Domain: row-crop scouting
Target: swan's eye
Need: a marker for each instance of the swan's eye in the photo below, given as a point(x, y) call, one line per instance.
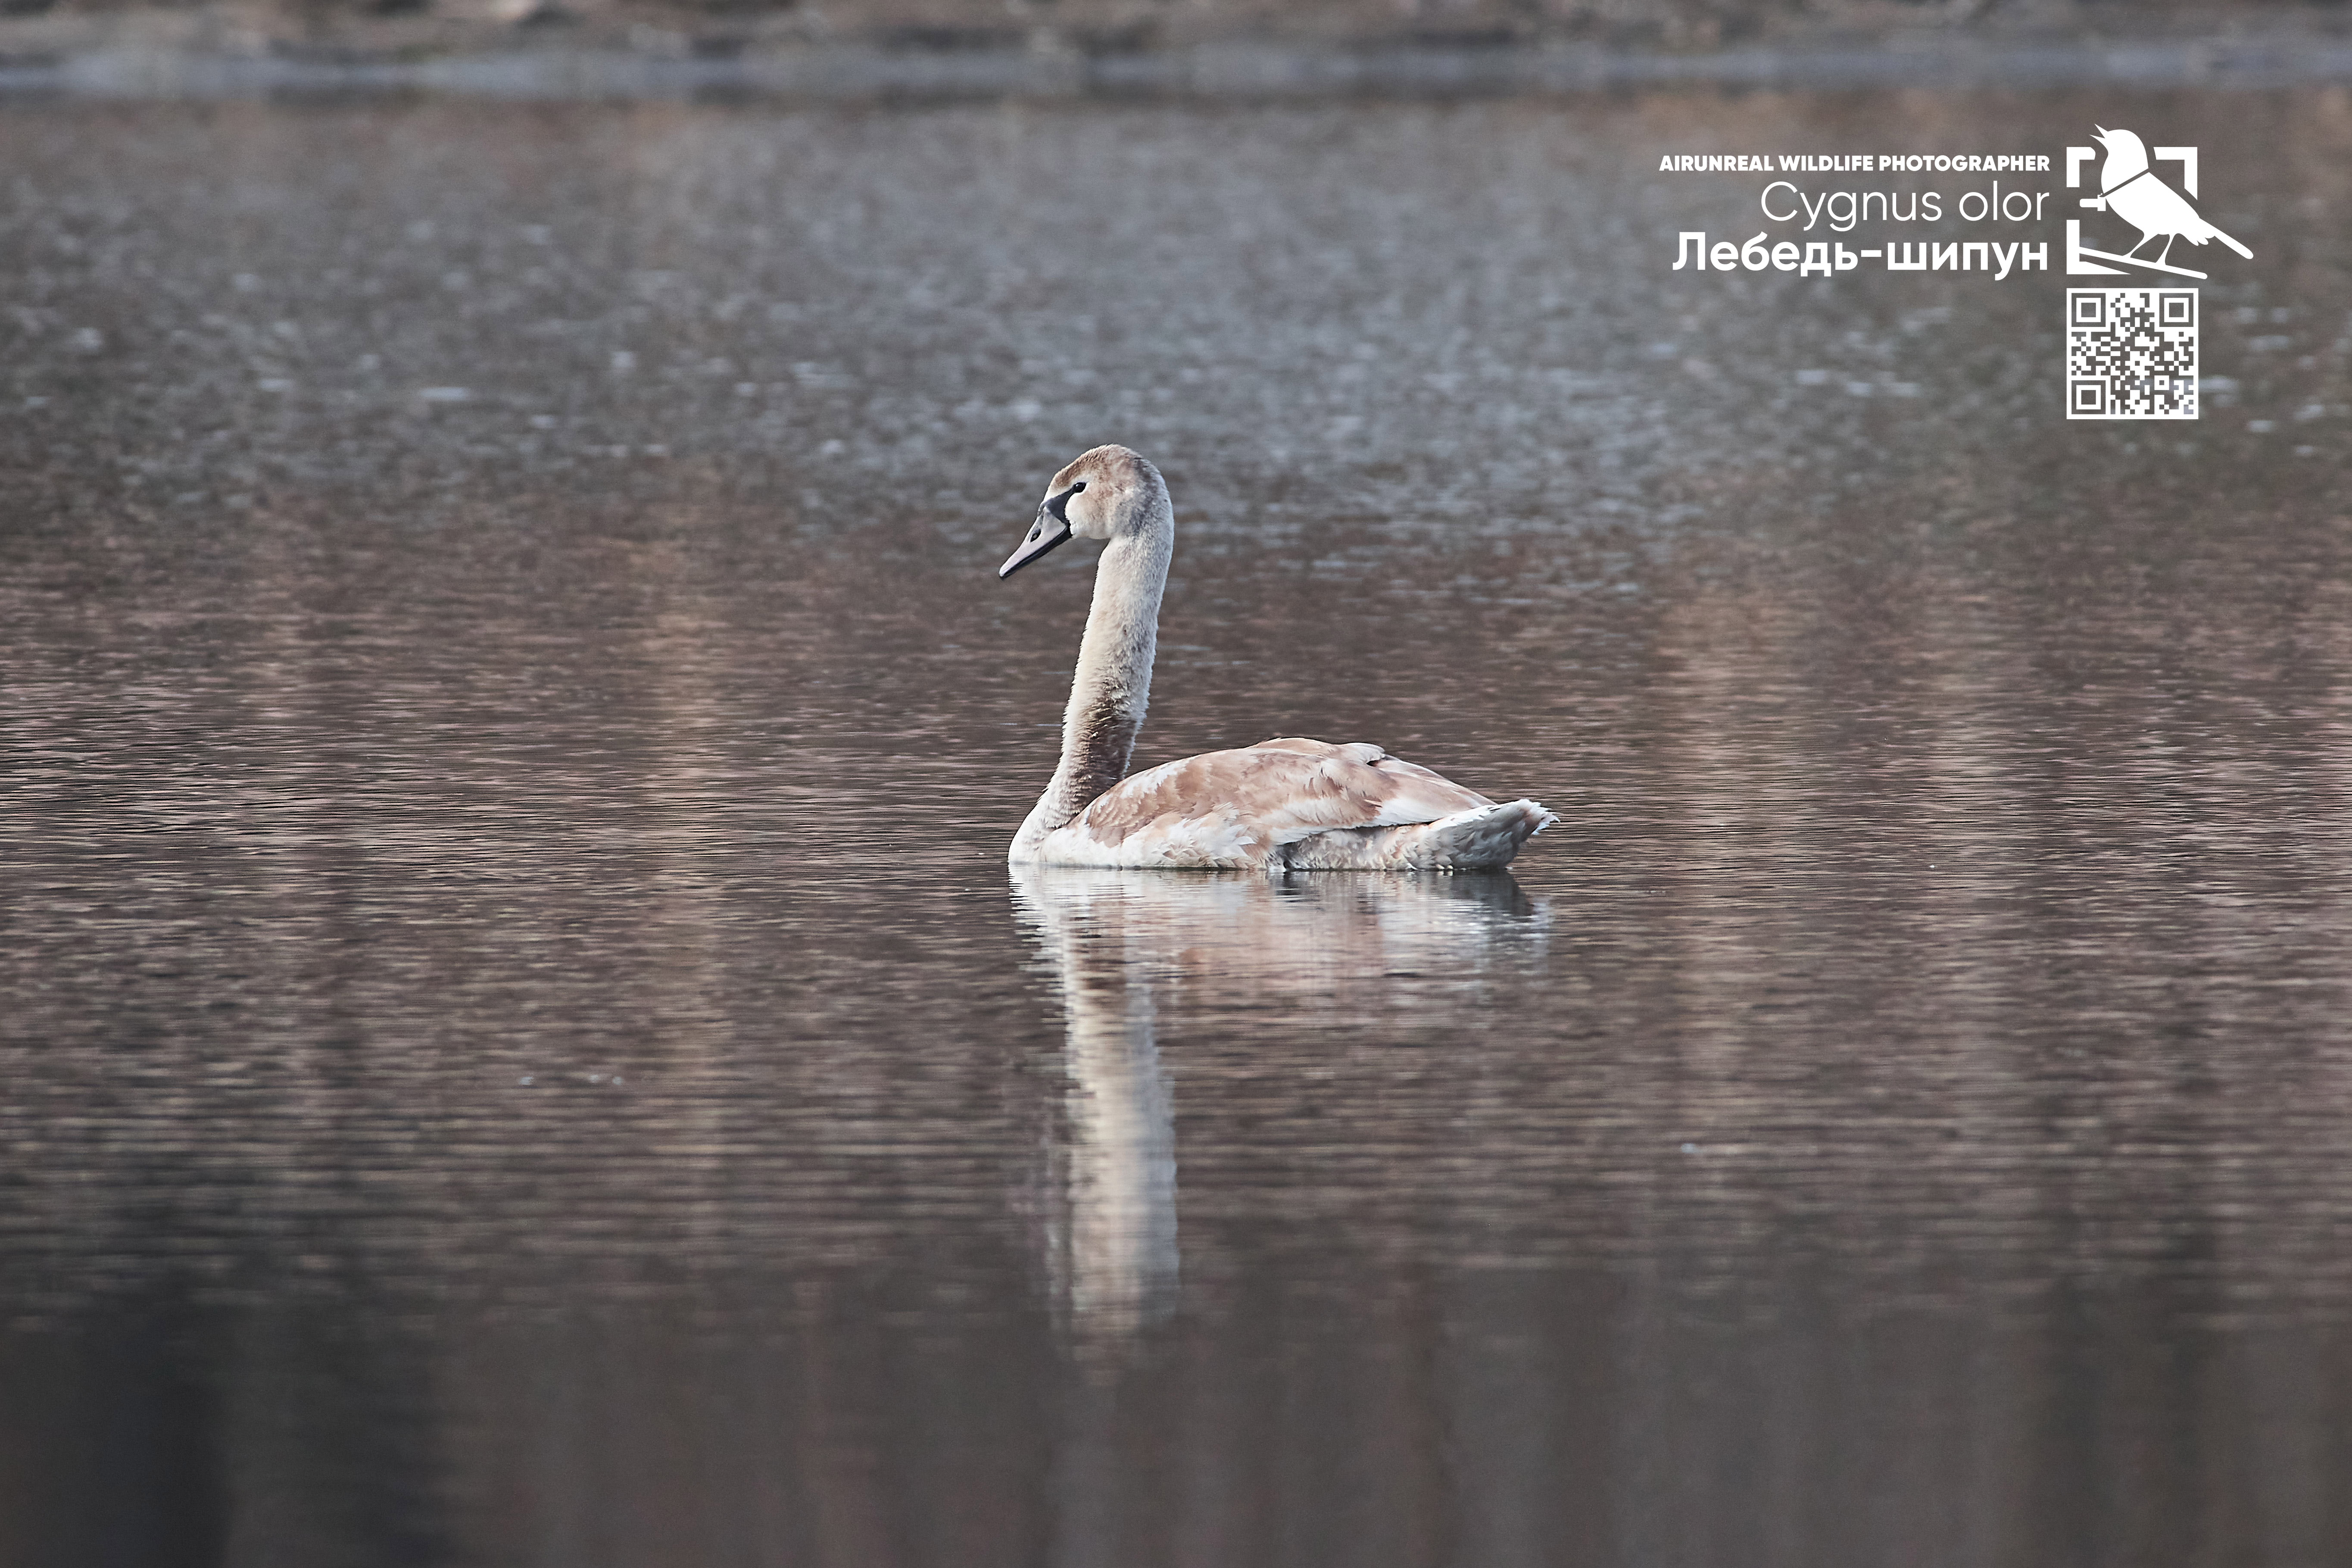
point(1077, 485)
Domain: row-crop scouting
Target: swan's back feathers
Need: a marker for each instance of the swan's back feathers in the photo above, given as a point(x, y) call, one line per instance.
point(1294, 802)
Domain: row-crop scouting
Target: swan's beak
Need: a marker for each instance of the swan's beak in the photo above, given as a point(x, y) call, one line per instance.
point(1043, 534)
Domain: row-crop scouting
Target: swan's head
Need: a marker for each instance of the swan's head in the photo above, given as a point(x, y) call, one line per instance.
point(1109, 493)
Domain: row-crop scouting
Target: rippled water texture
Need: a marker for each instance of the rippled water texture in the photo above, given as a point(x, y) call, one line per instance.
point(520, 1046)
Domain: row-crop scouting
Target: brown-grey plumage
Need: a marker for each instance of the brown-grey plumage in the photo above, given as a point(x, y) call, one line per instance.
point(1296, 804)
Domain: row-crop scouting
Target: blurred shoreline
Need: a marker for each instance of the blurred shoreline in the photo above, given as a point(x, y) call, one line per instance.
point(545, 50)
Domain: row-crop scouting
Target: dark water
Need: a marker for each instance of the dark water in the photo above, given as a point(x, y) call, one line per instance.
point(520, 1046)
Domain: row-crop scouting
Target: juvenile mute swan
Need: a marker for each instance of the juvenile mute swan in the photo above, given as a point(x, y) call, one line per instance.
point(1296, 804)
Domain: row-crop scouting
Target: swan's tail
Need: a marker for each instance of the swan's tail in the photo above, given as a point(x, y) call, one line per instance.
point(1483, 838)
point(1480, 839)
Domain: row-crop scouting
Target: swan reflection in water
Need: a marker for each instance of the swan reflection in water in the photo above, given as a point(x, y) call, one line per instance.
point(1132, 951)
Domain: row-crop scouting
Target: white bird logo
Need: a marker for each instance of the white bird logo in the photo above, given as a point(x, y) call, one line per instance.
point(2131, 190)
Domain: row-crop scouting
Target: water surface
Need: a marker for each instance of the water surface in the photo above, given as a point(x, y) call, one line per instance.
point(521, 1045)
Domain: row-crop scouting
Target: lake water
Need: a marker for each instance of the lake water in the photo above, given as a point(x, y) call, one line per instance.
point(521, 1045)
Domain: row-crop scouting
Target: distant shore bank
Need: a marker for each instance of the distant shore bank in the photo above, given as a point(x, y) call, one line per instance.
point(545, 50)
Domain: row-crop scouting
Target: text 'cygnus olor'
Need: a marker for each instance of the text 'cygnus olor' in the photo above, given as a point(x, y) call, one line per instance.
point(1286, 804)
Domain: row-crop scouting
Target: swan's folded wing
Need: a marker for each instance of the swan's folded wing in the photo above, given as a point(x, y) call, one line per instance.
point(1224, 804)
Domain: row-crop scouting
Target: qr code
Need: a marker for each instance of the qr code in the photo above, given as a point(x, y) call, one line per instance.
point(2131, 353)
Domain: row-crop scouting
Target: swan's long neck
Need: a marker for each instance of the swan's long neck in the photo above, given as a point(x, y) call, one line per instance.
point(1113, 684)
